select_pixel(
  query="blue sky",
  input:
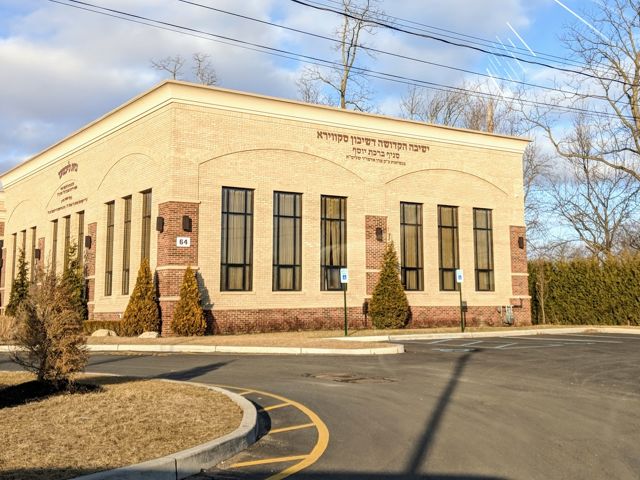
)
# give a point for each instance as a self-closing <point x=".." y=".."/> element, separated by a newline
<point x="63" y="67"/>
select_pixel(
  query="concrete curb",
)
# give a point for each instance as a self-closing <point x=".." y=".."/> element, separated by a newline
<point x="512" y="333"/>
<point x="387" y="350"/>
<point x="193" y="460"/>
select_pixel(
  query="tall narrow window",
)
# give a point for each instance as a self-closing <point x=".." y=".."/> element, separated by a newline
<point x="333" y="247"/>
<point x="411" y="245"/>
<point x="483" y="245"/>
<point x="237" y="239"/>
<point x="287" y="241"/>
<point x="80" y="238"/>
<point x="146" y="224"/>
<point x="448" y="244"/>
<point x="33" y="254"/>
<point x="67" y="240"/>
<point x="13" y="256"/>
<point x="23" y="242"/>
<point x="126" y="245"/>
<point x="108" y="264"/>
<point x="54" y="245"/>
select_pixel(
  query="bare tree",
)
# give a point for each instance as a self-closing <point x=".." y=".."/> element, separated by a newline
<point x="345" y="84"/>
<point x="172" y="65"/>
<point x="596" y="201"/>
<point x="608" y="86"/>
<point x="202" y="68"/>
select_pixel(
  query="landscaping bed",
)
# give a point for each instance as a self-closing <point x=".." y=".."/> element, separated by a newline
<point x="125" y="421"/>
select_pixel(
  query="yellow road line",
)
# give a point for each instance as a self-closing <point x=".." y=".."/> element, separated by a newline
<point x="318" y="449"/>
<point x="265" y="461"/>
<point x="273" y="407"/>
<point x="288" y="429"/>
<point x="246" y="392"/>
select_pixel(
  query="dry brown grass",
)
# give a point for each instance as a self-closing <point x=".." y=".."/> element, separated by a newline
<point x="130" y="421"/>
<point x="6" y="325"/>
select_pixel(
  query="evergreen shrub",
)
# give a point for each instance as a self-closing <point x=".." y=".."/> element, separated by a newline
<point x="19" y="287"/>
<point x="587" y="291"/>
<point x="389" y="307"/>
<point x="188" y="317"/>
<point x="141" y="314"/>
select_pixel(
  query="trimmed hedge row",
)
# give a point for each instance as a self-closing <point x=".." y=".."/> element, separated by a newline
<point x="586" y="291"/>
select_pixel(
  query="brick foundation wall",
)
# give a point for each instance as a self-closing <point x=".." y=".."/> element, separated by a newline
<point x="272" y="320"/>
<point x="104" y="316"/>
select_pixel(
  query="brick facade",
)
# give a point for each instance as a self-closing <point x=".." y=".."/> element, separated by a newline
<point x="164" y="142"/>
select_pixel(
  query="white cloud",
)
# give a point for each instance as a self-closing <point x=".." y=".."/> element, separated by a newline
<point x="63" y="67"/>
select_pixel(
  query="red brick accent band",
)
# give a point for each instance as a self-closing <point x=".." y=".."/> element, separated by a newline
<point x="168" y="252"/>
<point x="283" y="320"/>
<point x="251" y="321"/>
<point x="374" y="248"/>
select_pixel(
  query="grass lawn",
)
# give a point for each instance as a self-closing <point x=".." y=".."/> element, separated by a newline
<point x="128" y="421"/>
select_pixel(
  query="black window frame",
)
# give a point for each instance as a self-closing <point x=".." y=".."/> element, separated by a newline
<point x="108" y="264"/>
<point x="145" y="240"/>
<point x="278" y="266"/>
<point x="404" y="224"/>
<point x="447" y="273"/>
<point x="247" y="248"/>
<point x="330" y="269"/>
<point x="487" y="271"/>
<point x="126" y="243"/>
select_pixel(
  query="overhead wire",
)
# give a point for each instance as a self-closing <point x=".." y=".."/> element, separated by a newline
<point x="509" y="55"/>
<point x="466" y="37"/>
<point x="297" y="56"/>
<point x="384" y="52"/>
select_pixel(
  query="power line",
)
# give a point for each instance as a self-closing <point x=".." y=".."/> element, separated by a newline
<point x="373" y="21"/>
<point x="472" y="38"/>
<point x="307" y="59"/>
<point x="383" y="52"/>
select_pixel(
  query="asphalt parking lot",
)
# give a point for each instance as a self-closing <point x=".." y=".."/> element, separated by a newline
<point x="538" y="407"/>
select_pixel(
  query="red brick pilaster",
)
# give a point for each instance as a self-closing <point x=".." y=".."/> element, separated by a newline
<point x="374" y="248"/>
<point x="173" y="259"/>
<point x="519" y="277"/>
<point x="168" y="252"/>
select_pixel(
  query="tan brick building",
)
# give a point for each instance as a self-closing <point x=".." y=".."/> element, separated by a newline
<point x="268" y="199"/>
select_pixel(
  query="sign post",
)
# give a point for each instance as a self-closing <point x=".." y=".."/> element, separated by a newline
<point x="459" y="281"/>
<point x="344" y="279"/>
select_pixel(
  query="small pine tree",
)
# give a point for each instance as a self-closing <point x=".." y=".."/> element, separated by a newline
<point x="141" y="314"/>
<point x="49" y="332"/>
<point x="389" y="307"/>
<point x="73" y="281"/>
<point x="20" y="286"/>
<point x="188" y="318"/>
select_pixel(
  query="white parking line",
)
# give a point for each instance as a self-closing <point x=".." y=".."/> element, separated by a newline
<point x="440" y="341"/>
<point x="555" y="339"/>
<point x="471" y="343"/>
<point x="505" y="345"/>
<point x="604" y="335"/>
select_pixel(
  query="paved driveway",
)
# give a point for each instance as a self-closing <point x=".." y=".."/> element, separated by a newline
<point x="542" y="407"/>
